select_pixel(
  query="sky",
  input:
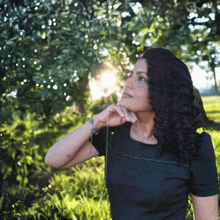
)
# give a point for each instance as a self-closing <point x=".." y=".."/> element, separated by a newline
<point x="198" y="77"/>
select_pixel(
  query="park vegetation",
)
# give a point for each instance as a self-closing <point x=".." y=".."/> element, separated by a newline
<point x="48" y="50"/>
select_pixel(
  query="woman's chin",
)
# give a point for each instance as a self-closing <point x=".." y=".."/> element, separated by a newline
<point x="123" y="102"/>
<point x="126" y="104"/>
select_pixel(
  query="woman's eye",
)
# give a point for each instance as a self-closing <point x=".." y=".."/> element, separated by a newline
<point x="138" y="78"/>
<point x="143" y="78"/>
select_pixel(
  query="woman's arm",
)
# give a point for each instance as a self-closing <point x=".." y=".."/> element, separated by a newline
<point x="205" y="208"/>
<point x="73" y="148"/>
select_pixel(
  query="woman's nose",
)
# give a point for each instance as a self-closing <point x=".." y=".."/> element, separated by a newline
<point x="129" y="82"/>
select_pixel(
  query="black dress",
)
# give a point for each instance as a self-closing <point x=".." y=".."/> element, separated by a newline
<point x="143" y="186"/>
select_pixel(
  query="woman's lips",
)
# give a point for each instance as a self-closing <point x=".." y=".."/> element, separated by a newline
<point x="126" y="95"/>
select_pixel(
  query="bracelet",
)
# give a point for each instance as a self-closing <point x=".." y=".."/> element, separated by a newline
<point x="94" y="131"/>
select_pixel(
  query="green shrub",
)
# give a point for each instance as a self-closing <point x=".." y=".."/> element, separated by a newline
<point x="79" y="195"/>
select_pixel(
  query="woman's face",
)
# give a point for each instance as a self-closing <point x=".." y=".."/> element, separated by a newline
<point x="137" y="87"/>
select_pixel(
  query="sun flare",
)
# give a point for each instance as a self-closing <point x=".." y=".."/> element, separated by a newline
<point x="108" y="79"/>
<point x="105" y="84"/>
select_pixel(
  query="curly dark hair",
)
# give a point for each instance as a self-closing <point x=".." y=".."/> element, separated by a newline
<point x="171" y="98"/>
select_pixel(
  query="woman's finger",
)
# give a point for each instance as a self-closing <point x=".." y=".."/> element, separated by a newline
<point x="119" y="110"/>
<point x="135" y="117"/>
<point x="129" y="115"/>
<point x="132" y="116"/>
<point x="125" y="113"/>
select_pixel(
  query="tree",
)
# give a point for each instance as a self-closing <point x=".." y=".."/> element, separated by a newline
<point x="189" y="29"/>
<point x="47" y="51"/>
<point x="49" y="48"/>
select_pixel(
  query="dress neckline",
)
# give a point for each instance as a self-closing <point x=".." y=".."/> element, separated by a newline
<point x="129" y="134"/>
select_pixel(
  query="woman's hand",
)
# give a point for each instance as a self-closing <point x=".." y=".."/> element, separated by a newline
<point x="116" y="115"/>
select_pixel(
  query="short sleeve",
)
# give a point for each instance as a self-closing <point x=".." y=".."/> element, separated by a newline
<point x="98" y="141"/>
<point x="203" y="173"/>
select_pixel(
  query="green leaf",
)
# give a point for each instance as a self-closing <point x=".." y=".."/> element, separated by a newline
<point x="85" y="62"/>
<point x="66" y="51"/>
<point x="19" y="178"/>
<point x="9" y="42"/>
<point x="29" y="160"/>
<point x="44" y="94"/>
<point x="25" y="180"/>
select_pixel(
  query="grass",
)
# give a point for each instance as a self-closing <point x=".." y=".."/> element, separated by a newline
<point x="212" y="107"/>
<point x="208" y="99"/>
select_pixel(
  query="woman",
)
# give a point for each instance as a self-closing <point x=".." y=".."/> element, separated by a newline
<point x="155" y="157"/>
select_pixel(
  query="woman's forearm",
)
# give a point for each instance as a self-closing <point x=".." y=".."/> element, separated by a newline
<point x="64" y="150"/>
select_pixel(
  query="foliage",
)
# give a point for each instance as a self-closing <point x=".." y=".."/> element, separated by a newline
<point x="48" y="61"/>
<point x="19" y="154"/>
<point x="189" y="29"/>
<point x="23" y="149"/>
<point x="48" y="48"/>
<point x="79" y="193"/>
<point x="103" y="103"/>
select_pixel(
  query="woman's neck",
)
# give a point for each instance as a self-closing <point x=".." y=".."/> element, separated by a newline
<point x="145" y="124"/>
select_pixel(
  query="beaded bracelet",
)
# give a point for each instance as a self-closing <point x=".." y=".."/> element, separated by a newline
<point x="94" y="131"/>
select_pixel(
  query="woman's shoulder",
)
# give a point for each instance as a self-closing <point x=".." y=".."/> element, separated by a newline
<point x="205" y="136"/>
<point x="205" y="140"/>
<point x="206" y="149"/>
<point x="204" y="177"/>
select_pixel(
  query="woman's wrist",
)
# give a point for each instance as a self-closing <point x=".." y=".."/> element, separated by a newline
<point x="97" y="125"/>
